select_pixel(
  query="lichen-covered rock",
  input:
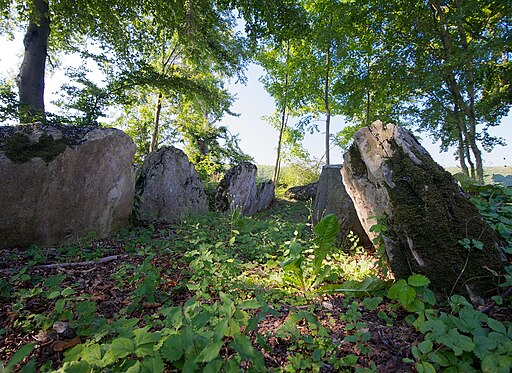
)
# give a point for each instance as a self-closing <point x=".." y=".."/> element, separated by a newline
<point x="58" y="183"/>
<point x="302" y="192"/>
<point x="238" y="190"/>
<point x="332" y="198"/>
<point x="387" y="172"/>
<point x="169" y="187"/>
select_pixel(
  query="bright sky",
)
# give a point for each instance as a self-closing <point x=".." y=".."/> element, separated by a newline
<point x="258" y="138"/>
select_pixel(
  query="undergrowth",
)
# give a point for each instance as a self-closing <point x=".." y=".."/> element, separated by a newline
<point x="229" y="293"/>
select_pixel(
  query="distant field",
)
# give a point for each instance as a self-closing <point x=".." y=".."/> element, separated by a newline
<point x="488" y="172"/>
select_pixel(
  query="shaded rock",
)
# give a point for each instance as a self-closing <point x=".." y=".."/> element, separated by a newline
<point x="58" y="183"/>
<point x="302" y="192"/>
<point x="169" y="187"/>
<point x="238" y="189"/>
<point x="332" y="198"/>
<point x="387" y="172"/>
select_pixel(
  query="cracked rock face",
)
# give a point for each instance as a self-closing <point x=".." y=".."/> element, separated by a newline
<point x="387" y="172"/>
<point x="238" y="189"/>
<point x="169" y="187"/>
<point x="58" y="183"/>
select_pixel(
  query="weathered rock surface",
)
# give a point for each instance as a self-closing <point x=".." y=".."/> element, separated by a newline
<point x="169" y="187"/>
<point x="302" y="192"/>
<point x="58" y="183"/>
<point x="332" y="198"/>
<point x="387" y="172"/>
<point x="238" y="189"/>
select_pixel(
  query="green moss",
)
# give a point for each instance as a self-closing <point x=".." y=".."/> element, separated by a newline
<point x="429" y="209"/>
<point x="19" y="149"/>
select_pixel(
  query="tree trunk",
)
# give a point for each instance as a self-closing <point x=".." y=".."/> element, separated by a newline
<point x="326" y="103"/>
<point x="156" y="123"/>
<point x="277" y="169"/>
<point x="30" y="79"/>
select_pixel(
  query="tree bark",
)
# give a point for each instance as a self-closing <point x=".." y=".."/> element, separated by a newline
<point x="326" y="104"/>
<point x="156" y="123"/>
<point x="30" y="79"/>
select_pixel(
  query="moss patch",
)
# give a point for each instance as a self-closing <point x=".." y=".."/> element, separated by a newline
<point x="19" y="149"/>
<point x="429" y="209"/>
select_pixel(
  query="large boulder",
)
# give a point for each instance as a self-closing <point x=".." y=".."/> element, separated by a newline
<point x="388" y="173"/>
<point x="302" y="192"/>
<point x="58" y="183"/>
<point x="238" y="190"/>
<point x="169" y="187"/>
<point x="332" y="198"/>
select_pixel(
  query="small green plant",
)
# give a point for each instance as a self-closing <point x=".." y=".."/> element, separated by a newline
<point x="303" y="273"/>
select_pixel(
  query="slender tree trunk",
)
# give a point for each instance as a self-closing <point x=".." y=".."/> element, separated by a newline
<point x="460" y="139"/>
<point x="30" y="79"/>
<point x="326" y="104"/>
<point x="156" y="123"/>
<point x="469" y="110"/>
<point x="277" y="168"/>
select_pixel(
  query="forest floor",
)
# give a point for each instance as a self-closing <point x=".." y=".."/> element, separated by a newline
<point x="226" y="279"/>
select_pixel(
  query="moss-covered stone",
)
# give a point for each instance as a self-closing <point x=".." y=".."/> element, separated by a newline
<point x="19" y="149"/>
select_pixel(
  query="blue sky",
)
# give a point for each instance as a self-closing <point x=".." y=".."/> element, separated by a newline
<point x="258" y="138"/>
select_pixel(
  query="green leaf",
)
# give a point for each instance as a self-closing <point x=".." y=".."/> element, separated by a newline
<point x="495" y="363"/>
<point x="135" y="368"/>
<point x="152" y="364"/>
<point x="496" y="326"/>
<point x="75" y="367"/>
<point x="425" y="347"/>
<point x="145" y="341"/>
<point x="59" y="305"/>
<point x="67" y="292"/>
<point x="18" y="357"/>
<point x="425" y="367"/>
<point x="121" y="347"/>
<point x="249" y="304"/>
<point x="210" y="352"/>
<point x="418" y="280"/>
<point x="372" y="304"/>
<point x="172" y="349"/>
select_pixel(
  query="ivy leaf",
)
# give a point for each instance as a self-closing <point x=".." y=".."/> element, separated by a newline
<point x="210" y="352"/>
<point x="418" y="280"/>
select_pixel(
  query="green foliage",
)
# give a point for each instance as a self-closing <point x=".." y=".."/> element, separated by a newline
<point x="17" y="358"/>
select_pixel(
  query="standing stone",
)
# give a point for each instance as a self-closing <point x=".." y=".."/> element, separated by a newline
<point x="332" y="198"/>
<point x="58" y="183"/>
<point x="169" y="187"/>
<point x="302" y="192"/>
<point x="238" y="190"/>
<point x="387" y="172"/>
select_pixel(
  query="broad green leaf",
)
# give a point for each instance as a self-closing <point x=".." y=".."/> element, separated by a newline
<point x="221" y="329"/>
<point x="210" y="352"/>
<point x="456" y="341"/>
<point x="152" y="364"/>
<point x="59" y="305"/>
<point x="418" y="280"/>
<point x="75" y="367"/>
<point x="172" y="349"/>
<point x="67" y="292"/>
<point x="483" y="346"/>
<point x="121" y="347"/>
<point x="145" y="341"/>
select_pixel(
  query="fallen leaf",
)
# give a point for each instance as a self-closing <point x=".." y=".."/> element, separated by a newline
<point x="59" y="346"/>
